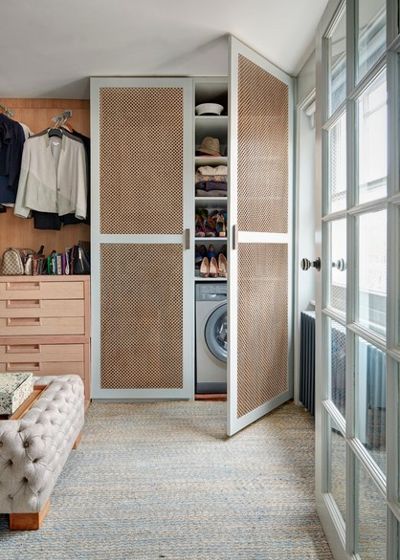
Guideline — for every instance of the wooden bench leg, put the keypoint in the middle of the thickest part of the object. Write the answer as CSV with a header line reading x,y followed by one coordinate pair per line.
x,y
77,441
28,521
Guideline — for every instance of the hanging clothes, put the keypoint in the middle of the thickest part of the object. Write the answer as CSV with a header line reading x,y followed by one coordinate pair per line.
x,y
48,220
12,139
53,177
27,130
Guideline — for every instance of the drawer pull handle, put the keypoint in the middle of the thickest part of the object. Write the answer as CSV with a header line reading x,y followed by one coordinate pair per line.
x,y
23,321
23,366
23,349
23,286
22,303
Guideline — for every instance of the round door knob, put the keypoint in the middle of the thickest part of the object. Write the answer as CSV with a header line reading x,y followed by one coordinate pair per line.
x,y
340,264
306,264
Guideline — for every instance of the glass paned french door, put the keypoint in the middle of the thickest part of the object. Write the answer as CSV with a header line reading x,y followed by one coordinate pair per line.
x,y
357,311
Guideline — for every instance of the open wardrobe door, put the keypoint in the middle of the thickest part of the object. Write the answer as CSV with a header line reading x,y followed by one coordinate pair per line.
x,y
142,271
260,210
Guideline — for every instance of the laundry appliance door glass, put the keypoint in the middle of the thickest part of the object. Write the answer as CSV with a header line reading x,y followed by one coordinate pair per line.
x,y
216,333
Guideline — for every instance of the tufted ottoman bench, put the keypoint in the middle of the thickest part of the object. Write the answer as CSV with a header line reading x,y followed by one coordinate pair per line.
x,y
34,449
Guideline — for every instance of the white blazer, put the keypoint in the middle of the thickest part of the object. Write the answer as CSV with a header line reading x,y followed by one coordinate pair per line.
x,y
53,177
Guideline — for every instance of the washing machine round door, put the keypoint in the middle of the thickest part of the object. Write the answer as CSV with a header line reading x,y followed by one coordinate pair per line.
x,y
216,333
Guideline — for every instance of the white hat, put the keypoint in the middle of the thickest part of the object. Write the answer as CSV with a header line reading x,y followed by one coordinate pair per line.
x,y
209,109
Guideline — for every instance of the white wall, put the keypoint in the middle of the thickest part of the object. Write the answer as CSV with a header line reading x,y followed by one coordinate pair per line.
x,y
306,78
305,205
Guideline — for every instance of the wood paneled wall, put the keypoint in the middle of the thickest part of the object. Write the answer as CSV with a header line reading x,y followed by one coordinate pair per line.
x,y
19,232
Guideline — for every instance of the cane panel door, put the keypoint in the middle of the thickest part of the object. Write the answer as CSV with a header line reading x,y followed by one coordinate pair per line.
x,y
141,202
260,250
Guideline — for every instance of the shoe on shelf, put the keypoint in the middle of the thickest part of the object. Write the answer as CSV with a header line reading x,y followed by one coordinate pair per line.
x,y
213,268
209,228
200,228
211,252
222,266
198,257
205,268
224,250
220,225
202,251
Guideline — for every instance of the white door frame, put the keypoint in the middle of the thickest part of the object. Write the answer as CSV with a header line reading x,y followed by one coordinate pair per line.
x,y
97,238
304,238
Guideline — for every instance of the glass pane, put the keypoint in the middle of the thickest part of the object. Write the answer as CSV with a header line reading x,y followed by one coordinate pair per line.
x,y
337,345
371,33
372,271
337,466
337,165
337,291
371,400
372,141
372,513
337,64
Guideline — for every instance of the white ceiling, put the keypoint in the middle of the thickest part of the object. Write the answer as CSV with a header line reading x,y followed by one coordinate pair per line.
x,y
49,48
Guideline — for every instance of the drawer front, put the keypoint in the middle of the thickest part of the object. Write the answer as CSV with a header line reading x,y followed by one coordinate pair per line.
x,y
42,308
34,290
44,368
15,326
17,353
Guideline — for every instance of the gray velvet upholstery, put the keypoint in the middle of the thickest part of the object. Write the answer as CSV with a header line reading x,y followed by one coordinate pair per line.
x,y
33,450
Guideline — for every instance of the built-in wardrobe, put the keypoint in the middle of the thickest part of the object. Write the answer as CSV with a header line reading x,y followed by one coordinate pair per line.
x,y
144,136
45,319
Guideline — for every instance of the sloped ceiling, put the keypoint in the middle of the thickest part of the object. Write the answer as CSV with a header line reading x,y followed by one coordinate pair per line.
x,y
49,48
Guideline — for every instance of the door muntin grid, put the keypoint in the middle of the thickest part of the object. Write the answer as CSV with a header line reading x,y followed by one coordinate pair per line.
x,y
371,442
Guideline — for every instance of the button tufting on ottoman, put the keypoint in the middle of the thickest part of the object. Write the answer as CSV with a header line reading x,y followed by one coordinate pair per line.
x,y
35,448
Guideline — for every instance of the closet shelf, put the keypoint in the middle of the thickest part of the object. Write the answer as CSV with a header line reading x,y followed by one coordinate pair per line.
x,y
204,239
199,279
206,199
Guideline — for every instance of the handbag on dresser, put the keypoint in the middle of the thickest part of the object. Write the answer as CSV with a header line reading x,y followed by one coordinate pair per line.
x,y
11,263
80,258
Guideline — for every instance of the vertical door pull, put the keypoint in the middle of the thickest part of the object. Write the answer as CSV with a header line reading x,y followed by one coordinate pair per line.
x,y
234,238
187,239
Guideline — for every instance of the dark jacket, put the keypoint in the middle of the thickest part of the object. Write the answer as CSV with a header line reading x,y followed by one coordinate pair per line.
x,y
12,140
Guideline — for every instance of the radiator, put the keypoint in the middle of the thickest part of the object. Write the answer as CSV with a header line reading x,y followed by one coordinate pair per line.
x,y
371,383
307,360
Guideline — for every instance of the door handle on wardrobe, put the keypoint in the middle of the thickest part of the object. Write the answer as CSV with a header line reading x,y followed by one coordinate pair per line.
x,y
186,239
234,237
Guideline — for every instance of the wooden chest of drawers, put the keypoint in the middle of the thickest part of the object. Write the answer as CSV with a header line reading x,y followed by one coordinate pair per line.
x,y
45,325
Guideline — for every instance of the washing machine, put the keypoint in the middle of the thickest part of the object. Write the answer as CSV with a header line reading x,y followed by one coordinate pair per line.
x,y
211,337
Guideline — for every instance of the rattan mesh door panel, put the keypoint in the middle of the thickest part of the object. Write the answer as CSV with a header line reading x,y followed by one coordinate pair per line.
x,y
263,150
141,316
262,368
141,160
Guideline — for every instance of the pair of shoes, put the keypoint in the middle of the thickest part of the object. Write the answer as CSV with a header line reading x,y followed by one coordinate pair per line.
x,y
210,224
204,227
209,268
202,251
